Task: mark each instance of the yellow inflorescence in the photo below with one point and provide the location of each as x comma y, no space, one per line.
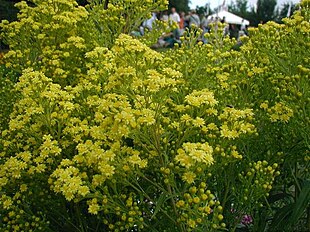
103,124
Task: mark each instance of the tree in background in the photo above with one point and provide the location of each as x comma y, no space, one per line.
264,12
286,10
266,9
180,5
240,8
204,10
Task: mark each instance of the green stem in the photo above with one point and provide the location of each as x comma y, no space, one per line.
152,182
294,174
225,196
174,207
78,213
308,219
139,189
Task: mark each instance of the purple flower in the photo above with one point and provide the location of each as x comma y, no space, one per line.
246,220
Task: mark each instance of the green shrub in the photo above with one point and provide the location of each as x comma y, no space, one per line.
109,135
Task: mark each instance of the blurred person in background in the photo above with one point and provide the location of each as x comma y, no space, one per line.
182,23
174,17
193,19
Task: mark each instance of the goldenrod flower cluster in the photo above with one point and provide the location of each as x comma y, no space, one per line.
106,132
199,205
53,28
75,136
256,180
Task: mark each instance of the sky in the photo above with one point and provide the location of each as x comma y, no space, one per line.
215,3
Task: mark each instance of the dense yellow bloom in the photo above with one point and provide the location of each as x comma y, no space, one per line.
198,98
147,117
134,159
101,119
69,182
280,112
236,122
189,177
192,153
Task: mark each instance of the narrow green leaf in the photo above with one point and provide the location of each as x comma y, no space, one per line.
161,200
279,221
301,203
278,196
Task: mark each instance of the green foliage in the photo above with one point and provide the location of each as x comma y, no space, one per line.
264,12
266,9
240,8
284,84
106,134
204,10
55,32
7,94
283,13
267,82
180,5
287,217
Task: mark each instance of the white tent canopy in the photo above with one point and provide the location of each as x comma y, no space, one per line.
229,17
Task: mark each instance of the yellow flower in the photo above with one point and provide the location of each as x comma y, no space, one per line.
7,203
264,105
236,155
106,169
180,204
227,133
185,118
189,177
280,112
23,188
83,191
184,159
198,98
93,207
136,160
191,223
147,117
192,153
198,122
